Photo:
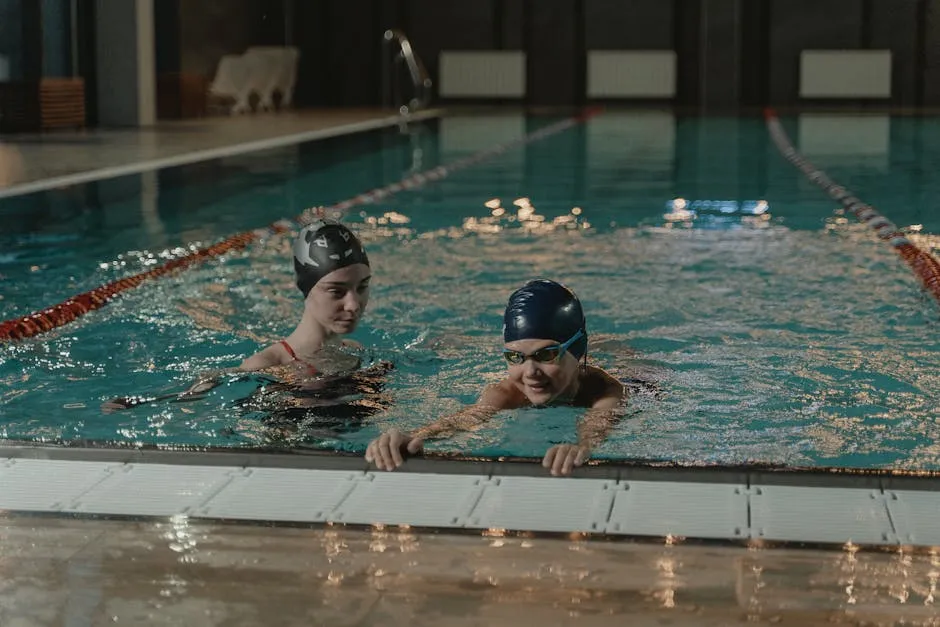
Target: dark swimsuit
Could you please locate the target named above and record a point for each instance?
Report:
(340, 406)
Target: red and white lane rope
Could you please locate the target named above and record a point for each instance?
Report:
(925, 266)
(71, 309)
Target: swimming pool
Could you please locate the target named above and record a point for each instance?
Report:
(776, 329)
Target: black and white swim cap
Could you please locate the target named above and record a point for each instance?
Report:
(321, 247)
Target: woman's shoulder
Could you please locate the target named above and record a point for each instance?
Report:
(597, 385)
(274, 355)
(598, 376)
(626, 383)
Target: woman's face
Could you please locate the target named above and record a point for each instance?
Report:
(339, 299)
(542, 381)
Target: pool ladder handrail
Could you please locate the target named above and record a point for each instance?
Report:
(419, 75)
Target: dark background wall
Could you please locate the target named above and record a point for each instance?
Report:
(191, 37)
(11, 27)
(837, 24)
(56, 38)
(210, 29)
(36, 38)
(730, 53)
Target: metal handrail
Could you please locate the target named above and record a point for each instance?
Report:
(419, 76)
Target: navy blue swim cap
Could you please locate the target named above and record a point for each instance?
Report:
(545, 310)
(321, 247)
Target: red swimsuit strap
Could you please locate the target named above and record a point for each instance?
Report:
(290, 351)
(311, 369)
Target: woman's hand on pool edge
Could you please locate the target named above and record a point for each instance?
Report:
(386, 450)
(561, 459)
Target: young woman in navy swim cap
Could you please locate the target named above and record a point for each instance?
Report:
(545, 347)
(333, 273)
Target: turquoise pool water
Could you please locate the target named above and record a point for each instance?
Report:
(776, 329)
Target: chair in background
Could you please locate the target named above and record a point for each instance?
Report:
(278, 76)
(262, 71)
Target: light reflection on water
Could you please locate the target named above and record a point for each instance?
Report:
(768, 343)
(836, 373)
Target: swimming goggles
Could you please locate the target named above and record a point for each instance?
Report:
(546, 355)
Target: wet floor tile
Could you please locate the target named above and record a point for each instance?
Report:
(178, 572)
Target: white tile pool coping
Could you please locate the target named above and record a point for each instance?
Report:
(763, 507)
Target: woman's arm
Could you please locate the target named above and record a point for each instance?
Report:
(491, 401)
(596, 425)
(606, 410)
(604, 413)
(205, 382)
(202, 385)
(387, 451)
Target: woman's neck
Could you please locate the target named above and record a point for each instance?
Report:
(570, 393)
(309, 336)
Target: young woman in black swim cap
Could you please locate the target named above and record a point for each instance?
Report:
(545, 346)
(333, 273)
